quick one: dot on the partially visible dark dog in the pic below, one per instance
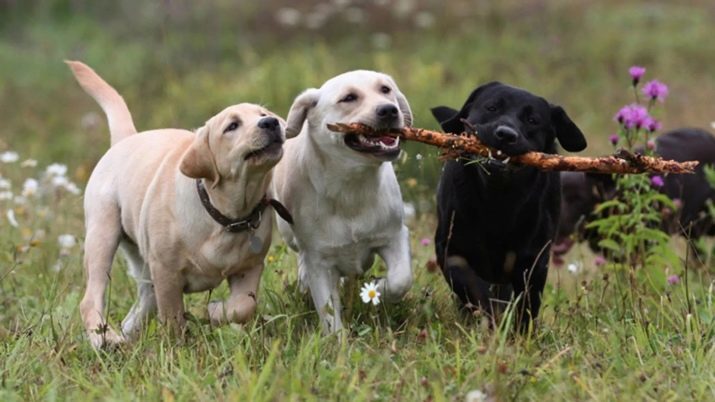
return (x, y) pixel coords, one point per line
(497, 221)
(581, 192)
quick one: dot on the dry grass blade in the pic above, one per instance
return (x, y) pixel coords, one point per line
(455, 145)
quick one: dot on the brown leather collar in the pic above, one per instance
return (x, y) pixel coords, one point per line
(250, 222)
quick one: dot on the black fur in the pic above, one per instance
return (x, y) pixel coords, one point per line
(496, 221)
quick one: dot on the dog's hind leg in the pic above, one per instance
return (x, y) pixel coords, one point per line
(145, 306)
(102, 239)
(472, 291)
(399, 269)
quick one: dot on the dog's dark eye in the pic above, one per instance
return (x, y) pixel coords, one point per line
(491, 108)
(532, 120)
(234, 125)
(385, 89)
(349, 98)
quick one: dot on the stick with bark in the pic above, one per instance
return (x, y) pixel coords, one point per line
(455, 145)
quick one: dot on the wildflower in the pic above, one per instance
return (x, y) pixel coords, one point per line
(636, 73)
(673, 279)
(613, 139)
(11, 218)
(655, 90)
(419, 156)
(66, 241)
(650, 145)
(425, 241)
(369, 293)
(29, 188)
(599, 261)
(633, 115)
(657, 181)
(9, 157)
(29, 163)
(651, 124)
(574, 268)
(5, 184)
(56, 169)
(6, 195)
(476, 396)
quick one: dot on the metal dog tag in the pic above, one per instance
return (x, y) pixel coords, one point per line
(255, 243)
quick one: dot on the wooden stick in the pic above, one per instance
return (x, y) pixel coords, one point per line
(458, 145)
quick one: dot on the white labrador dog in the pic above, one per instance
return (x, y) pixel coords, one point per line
(147, 196)
(342, 190)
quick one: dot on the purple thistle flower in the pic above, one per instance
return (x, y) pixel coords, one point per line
(651, 124)
(673, 279)
(425, 241)
(613, 139)
(655, 90)
(657, 181)
(633, 115)
(599, 260)
(636, 73)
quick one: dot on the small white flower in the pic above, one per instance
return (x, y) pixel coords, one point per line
(29, 163)
(11, 218)
(56, 169)
(60, 181)
(5, 184)
(6, 195)
(66, 241)
(29, 188)
(369, 293)
(72, 188)
(475, 396)
(418, 157)
(9, 157)
(574, 267)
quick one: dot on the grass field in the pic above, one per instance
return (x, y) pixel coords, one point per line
(601, 336)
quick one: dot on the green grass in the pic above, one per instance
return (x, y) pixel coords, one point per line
(599, 337)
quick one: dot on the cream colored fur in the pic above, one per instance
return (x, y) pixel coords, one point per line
(142, 197)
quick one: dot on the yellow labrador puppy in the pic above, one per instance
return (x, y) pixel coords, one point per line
(187, 209)
(342, 189)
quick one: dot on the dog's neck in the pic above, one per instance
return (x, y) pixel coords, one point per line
(236, 198)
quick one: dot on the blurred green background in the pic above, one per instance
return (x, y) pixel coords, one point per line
(179, 62)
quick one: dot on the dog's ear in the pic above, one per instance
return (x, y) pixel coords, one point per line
(405, 109)
(570, 136)
(299, 111)
(453, 123)
(198, 161)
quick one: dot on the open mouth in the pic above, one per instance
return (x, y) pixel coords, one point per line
(384, 146)
(271, 150)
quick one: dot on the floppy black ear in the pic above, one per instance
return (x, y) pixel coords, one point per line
(570, 136)
(451, 120)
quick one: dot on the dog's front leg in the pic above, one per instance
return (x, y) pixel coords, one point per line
(169, 292)
(241, 303)
(399, 269)
(323, 282)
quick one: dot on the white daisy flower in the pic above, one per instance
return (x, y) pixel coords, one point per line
(56, 169)
(476, 395)
(66, 241)
(574, 267)
(72, 188)
(29, 188)
(11, 218)
(29, 163)
(9, 157)
(369, 293)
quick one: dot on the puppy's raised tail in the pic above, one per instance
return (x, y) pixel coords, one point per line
(120, 120)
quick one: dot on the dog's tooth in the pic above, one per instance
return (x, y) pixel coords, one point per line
(505, 161)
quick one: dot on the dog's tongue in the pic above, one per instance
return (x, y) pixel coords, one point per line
(387, 140)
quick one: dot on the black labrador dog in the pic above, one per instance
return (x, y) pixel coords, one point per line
(583, 191)
(497, 221)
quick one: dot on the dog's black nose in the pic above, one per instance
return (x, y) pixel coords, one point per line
(268, 123)
(386, 112)
(506, 135)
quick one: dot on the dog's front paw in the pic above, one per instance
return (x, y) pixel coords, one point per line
(105, 338)
(237, 311)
